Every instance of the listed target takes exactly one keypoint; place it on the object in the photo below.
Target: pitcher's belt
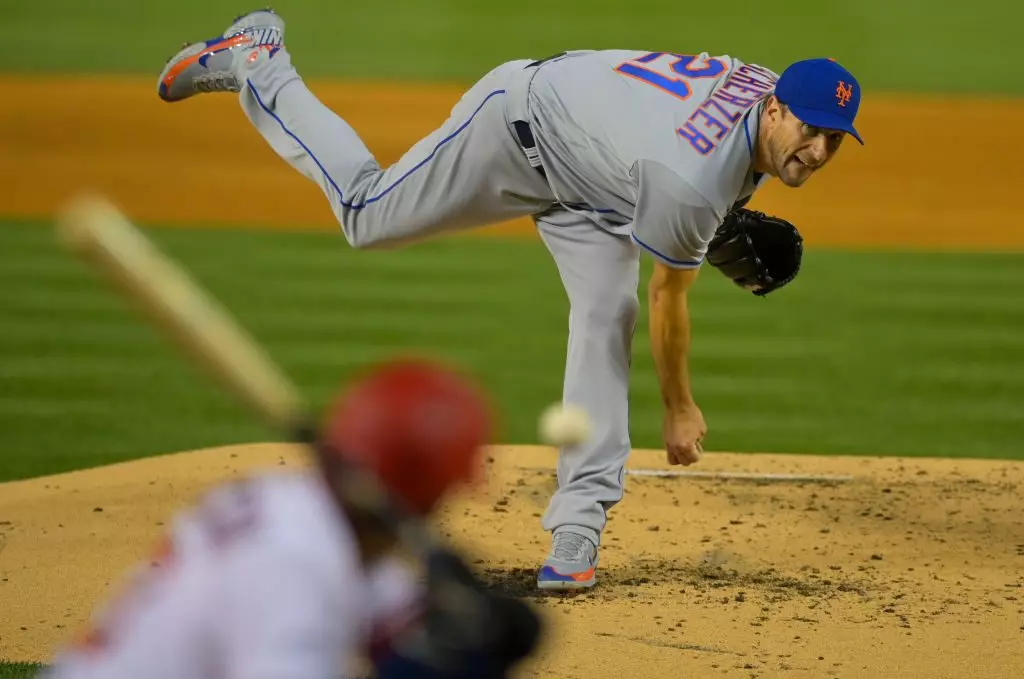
(522, 127)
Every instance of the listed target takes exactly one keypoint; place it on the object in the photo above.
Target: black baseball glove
(758, 252)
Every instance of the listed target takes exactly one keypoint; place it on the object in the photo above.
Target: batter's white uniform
(261, 580)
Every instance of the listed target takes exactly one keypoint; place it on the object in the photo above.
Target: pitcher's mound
(744, 565)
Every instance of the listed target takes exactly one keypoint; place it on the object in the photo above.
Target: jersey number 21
(671, 72)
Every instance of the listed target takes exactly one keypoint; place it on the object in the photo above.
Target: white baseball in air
(564, 425)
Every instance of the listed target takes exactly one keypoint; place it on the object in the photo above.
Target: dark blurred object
(465, 631)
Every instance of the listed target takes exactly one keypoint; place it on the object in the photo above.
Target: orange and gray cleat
(219, 64)
(572, 563)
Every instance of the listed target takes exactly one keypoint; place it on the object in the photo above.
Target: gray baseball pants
(471, 172)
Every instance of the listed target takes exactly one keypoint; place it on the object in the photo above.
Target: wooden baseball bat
(100, 234)
(96, 231)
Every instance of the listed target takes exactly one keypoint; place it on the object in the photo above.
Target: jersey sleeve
(672, 221)
(280, 617)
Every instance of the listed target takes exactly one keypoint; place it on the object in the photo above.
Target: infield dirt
(899, 568)
(935, 173)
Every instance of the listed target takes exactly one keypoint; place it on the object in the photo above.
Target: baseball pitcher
(612, 153)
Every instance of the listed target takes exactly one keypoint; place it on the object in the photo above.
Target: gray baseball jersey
(631, 151)
(652, 144)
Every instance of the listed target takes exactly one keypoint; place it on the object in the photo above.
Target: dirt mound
(824, 567)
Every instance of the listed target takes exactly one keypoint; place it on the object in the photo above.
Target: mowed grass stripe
(18, 670)
(842, 361)
(889, 46)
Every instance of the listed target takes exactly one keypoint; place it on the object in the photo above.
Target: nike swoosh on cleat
(212, 47)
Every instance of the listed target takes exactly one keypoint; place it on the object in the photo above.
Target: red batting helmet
(416, 424)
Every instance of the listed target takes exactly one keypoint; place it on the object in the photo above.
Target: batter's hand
(684, 430)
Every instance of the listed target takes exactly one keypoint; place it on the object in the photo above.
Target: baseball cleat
(572, 563)
(219, 64)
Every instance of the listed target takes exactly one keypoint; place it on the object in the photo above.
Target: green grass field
(910, 45)
(18, 670)
(867, 353)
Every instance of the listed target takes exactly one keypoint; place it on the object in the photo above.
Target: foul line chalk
(747, 476)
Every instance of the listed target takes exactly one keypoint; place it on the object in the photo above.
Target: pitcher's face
(796, 150)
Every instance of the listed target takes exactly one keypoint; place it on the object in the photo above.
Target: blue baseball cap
(821, 93)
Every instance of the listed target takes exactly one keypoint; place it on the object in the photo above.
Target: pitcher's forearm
(670, 335)
(670, 346)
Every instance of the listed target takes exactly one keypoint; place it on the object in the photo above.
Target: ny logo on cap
(843, 93)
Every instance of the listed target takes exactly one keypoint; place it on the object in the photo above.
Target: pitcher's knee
(366, 230)
(384, 221)
(608, 309)
(356, 233)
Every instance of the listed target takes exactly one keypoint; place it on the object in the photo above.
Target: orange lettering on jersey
(743, 89)
(698, 141)
(843, 93)
(740, 103)
(768, 78)
(750, 81)
(747, 79)
(710, 121)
